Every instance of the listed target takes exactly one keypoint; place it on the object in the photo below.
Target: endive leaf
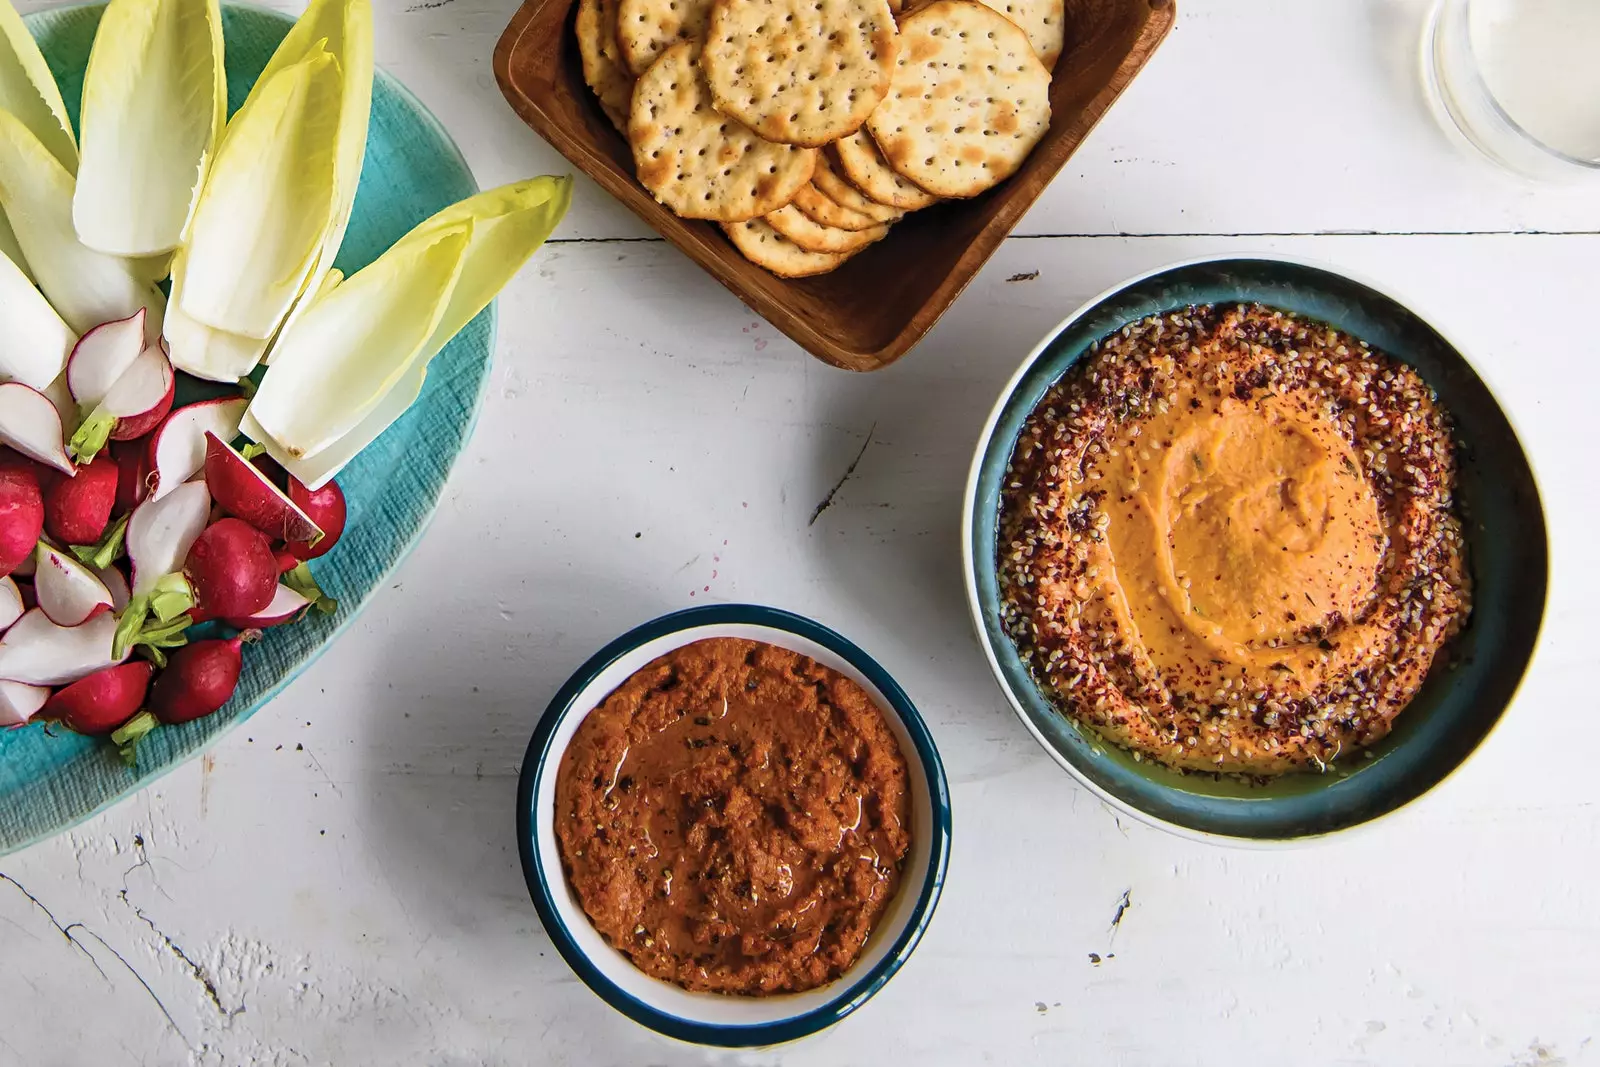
(319, 469)
(345, 28)
(344, 355)
(197, 349)
(35, 343)
(154, 102)
(507, 225)
(84, 286)
(262, 215)
(10, 249)
(29, 92)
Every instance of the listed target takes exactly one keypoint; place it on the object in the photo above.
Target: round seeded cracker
(830, 184)
(646, 28)
(799, 71)
(1044, 21)
(698, 163)
(812, 236)
(817, 205)
(864, 165)
(611, 82)
(968, 102)
(766, 247)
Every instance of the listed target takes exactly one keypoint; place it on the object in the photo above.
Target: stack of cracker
(808, 127)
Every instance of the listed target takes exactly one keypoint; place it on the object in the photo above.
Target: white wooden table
(337, 883)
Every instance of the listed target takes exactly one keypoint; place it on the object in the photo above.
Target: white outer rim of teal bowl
(969, 565)
(708, 1018)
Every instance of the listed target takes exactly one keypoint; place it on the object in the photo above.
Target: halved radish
(178, 448)
(245, 492)
(102, 356)
(38, 652)
(11, 606)
(68, 592)
(142, 397)
(325, 506)
(30, 423)
(138, 401)
(116, 585)
(20, 702)
(161, 532)
(287, 606)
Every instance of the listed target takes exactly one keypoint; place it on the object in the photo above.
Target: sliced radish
(287, 605)
(245, 492)
(139, 400)
(102, 356)
(116, 585)
(161, 532)
(30, 423)
(38, 652)
(143, 396)
(68, 592)
(11, 606)
(20, 702)
(178, 449)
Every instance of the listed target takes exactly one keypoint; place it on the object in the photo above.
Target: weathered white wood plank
(338, 883)
(1256, 116)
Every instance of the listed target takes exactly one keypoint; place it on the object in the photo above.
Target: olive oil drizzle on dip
(734, 818)
(1228, 542)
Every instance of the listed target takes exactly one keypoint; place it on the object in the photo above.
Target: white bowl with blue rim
(710, 1018)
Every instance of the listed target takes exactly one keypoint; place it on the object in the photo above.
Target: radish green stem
(92, 436)
(127, 736)
(171, 597)
(107, 551)
(302, 582)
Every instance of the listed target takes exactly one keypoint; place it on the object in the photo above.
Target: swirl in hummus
(1228, 542)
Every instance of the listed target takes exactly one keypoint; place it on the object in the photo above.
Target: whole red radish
(231, 570)
(21, 517)
(287, 561)
(325, 507)
(103, 701)
(133, 473)
(76, 510)
(199, 679)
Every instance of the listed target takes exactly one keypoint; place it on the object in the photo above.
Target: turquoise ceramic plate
(51, 780)
(1507, 552)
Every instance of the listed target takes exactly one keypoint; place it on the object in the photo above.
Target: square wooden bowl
(872, 310)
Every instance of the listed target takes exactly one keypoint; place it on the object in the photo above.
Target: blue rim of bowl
(1250, 821)
(857, 991)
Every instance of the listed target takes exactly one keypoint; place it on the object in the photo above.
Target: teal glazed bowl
(1470, 686)
(51, 779)
(708, 1018)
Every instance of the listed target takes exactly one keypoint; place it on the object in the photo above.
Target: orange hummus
(1228, 542)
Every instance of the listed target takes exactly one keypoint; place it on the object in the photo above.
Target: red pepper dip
(734, 818)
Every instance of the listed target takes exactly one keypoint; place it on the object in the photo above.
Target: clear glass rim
(1475, 71)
